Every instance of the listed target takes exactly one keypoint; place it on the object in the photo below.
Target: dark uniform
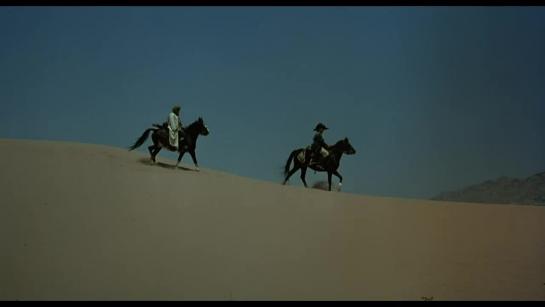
(317, 143)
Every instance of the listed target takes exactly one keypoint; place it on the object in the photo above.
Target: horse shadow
(323, 185)
(147, 161)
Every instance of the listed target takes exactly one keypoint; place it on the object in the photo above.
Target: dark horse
(187, 141)
(330, 164)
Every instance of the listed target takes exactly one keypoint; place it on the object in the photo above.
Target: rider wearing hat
(319, 147)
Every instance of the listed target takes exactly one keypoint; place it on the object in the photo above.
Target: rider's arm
(320, 140)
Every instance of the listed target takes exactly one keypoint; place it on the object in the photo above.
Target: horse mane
(192, 125)
(338, 143)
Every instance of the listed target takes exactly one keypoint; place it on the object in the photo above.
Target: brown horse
(187, 140)
(330, 164)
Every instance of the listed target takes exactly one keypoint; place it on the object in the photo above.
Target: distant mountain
(504, 190)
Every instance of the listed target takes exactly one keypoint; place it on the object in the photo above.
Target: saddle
(181, 134)
(313, 161)
(163, 126)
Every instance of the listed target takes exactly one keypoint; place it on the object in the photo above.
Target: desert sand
(93, 222)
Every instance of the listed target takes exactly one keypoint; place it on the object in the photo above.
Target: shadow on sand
(323, 185)
(147, 161)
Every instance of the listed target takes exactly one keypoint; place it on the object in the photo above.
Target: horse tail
(142, 139)
(288, 163)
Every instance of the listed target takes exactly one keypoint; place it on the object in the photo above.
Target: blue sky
(432, 98)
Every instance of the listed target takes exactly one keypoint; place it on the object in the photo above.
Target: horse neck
(193, 131)
(336, 151)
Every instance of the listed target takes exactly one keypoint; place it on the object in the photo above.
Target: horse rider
(174, 126)
(319, 148)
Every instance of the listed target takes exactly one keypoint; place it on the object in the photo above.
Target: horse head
(345, 146)
(202, 128)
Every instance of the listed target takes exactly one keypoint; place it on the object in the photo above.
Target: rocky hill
(504, 190)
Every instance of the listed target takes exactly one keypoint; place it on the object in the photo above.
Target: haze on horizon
(432, 98)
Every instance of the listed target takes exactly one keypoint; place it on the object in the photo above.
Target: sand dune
(91, 222)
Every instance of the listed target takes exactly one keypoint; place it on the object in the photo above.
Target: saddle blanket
(302, 154)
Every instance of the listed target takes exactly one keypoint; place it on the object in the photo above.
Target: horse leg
(329, 179)
(154, 153)
(303, 175)
(194, 157)
(336, 173)
(153, 148)
(182, 152)
(290, 173)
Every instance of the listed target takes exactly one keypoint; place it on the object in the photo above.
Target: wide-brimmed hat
(320, 126)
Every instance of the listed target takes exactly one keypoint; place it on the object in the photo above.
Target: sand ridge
(93, 222)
